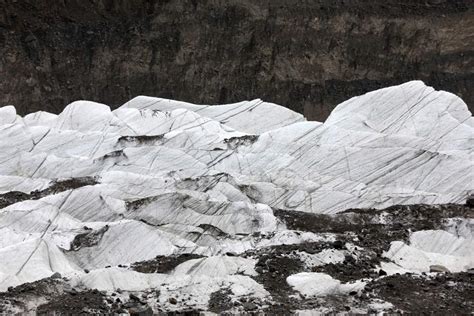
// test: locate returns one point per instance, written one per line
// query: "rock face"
(307, 57)
(173, 206)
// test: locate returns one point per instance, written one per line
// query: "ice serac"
(174, 178)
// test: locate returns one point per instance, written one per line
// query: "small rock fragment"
(133, 297)
(470, 201)
(249, 306)
(338, 244)
(141, 311)
(438, 268)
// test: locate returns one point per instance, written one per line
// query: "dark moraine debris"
(141, 139)
(162, 264)
(448, 293)
(13, 197)
(67, 184)
(352, 269)
(60, 297)
(235, 142)
(18, 296)
(213, 230)
(205, 182)
(54, 296)
(371, 231)
(114, 154)
(57, 186)
(89, 239)
(133, 205)
(396, 218)
(470, 201)
(273, 268)
(220, 301)
(84, 303)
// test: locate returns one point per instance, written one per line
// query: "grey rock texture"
(306, 55)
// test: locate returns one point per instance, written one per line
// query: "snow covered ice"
(171, 178)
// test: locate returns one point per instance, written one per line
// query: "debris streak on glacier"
(169, 177)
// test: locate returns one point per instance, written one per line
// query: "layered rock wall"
(306, 55)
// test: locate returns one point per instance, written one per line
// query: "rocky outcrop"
(307, 56)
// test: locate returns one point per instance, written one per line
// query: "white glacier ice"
(321, 284)
(174, 177)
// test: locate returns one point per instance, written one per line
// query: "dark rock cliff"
(306, 55)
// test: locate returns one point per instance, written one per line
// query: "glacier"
(167, 178)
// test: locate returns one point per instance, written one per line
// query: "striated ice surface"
(173, 178)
